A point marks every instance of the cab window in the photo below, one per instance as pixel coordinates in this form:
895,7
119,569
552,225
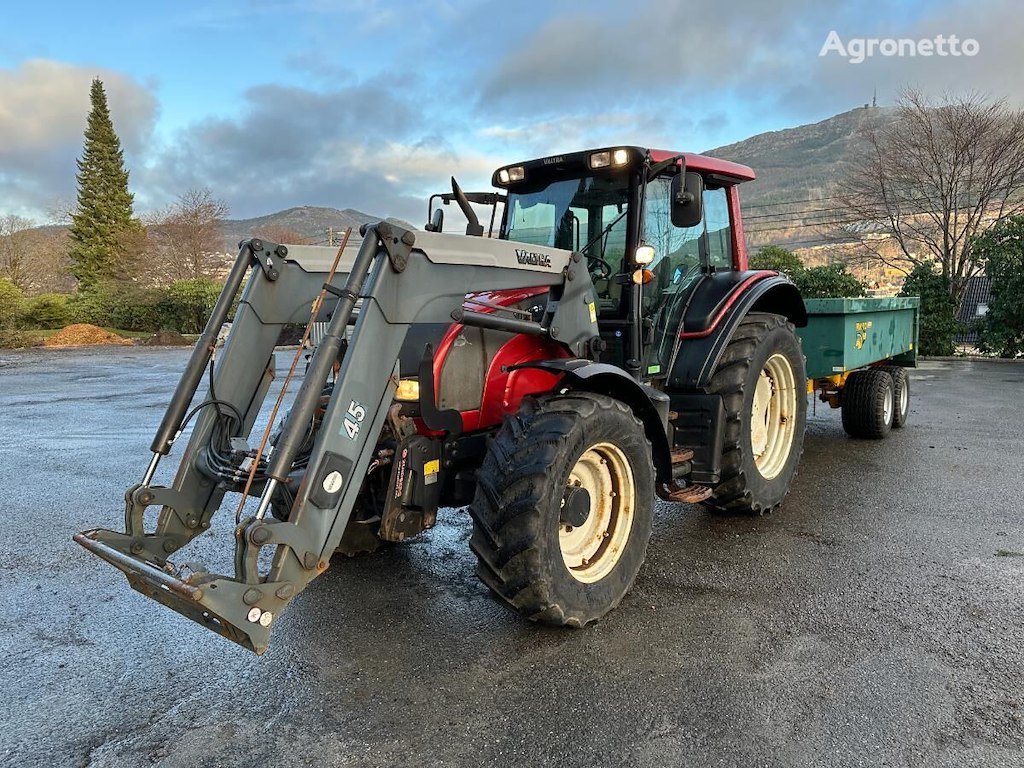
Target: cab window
716,215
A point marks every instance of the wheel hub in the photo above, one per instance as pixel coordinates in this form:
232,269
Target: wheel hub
602,479
575,506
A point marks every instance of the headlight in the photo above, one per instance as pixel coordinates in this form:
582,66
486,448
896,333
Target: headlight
644,254
515,173
609,157
408,391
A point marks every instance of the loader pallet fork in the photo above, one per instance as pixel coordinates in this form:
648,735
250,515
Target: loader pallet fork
402,279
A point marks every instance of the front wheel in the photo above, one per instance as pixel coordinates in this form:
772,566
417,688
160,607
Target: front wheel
763,383
563,508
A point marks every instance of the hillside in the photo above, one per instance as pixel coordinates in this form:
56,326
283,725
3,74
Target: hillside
801,163
309,223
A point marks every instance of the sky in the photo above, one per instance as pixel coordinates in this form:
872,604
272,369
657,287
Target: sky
372,105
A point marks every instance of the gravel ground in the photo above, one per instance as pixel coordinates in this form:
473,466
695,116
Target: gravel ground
876,620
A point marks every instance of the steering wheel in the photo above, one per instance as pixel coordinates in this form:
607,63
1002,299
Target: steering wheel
604,270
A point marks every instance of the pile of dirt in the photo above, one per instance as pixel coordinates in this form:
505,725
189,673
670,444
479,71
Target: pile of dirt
83,334
166,339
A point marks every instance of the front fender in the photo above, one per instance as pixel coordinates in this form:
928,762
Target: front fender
649,405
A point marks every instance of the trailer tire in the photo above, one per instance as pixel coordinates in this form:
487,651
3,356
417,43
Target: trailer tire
554,450
901,392
763,352
869,404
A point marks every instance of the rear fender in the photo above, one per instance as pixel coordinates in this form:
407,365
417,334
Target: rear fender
700,352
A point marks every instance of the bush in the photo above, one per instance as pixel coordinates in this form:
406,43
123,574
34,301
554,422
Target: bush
939,326
778,259
188,304
92,306
11,303
141,309
828,283
1001,331
46,311
11,338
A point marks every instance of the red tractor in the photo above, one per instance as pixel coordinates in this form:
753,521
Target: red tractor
607,347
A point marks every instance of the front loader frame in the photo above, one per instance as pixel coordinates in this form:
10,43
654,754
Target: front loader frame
402,278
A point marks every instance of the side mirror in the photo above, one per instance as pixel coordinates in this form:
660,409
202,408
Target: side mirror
436,221
687,199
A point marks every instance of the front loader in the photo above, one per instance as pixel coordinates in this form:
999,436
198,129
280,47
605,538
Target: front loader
607,347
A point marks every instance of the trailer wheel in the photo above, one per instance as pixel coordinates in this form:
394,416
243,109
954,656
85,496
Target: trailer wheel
563,508
869,403
901,389
761,377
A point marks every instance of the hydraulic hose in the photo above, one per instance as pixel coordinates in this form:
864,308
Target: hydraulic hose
201,354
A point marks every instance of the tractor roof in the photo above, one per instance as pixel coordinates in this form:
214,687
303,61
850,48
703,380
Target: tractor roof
708,164
558,165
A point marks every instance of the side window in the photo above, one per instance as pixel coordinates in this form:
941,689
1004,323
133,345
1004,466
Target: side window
716,215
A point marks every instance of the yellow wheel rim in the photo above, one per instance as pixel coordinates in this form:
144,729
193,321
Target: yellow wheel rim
773,416
592,550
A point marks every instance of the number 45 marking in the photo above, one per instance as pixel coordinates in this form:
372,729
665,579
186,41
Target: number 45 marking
354,417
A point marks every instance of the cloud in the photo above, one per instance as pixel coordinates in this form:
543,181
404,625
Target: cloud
43,110
685,61
595,59
359,146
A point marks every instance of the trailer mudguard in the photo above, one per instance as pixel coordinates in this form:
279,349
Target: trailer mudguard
715,312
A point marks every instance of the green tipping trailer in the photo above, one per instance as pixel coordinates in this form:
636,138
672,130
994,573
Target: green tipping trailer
857,351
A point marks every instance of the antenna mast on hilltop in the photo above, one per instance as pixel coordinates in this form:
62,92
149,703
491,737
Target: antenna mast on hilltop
874,98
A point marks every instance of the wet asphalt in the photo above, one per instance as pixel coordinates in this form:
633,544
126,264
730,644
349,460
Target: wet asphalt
876,620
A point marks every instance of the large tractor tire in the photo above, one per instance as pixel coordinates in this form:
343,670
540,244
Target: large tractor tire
763,383
901,391
869,403
563,508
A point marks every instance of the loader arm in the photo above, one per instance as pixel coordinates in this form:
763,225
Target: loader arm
402,279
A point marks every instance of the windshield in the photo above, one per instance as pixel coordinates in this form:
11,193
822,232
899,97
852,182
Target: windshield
572,213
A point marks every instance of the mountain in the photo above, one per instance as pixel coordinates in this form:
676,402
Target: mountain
309,223
802,163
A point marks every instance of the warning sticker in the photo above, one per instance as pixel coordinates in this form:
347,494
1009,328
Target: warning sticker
430,470
593,312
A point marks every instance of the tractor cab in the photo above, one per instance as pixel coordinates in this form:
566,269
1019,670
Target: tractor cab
652,224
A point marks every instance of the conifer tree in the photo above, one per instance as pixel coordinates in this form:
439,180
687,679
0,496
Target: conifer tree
104,231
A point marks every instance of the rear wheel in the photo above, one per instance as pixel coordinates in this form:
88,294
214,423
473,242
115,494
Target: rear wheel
761,378
901,392
869,403
563,508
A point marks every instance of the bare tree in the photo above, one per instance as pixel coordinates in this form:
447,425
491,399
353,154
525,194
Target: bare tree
15,236
189,234
279,233
932,176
